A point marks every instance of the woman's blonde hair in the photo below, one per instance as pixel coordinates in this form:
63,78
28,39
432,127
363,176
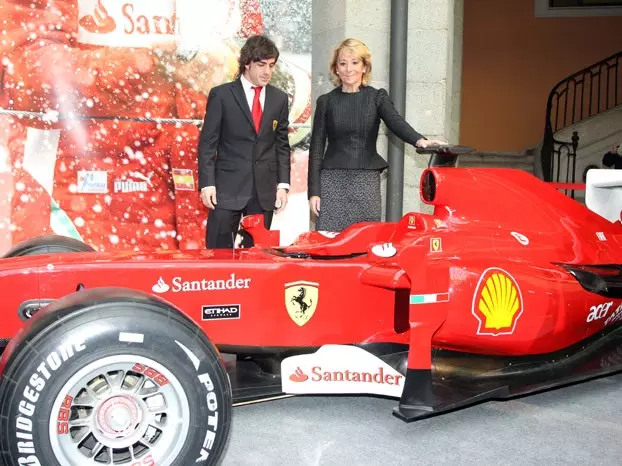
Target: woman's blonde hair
356,48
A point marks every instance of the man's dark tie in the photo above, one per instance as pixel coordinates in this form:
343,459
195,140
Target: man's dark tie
256,112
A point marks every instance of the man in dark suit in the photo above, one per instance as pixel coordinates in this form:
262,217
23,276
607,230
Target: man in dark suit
244,153
613,158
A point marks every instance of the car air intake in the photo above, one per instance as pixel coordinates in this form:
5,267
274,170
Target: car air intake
605,280
428,186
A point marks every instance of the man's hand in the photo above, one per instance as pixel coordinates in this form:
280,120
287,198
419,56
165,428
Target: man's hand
423,143
208,197
281,200
315,205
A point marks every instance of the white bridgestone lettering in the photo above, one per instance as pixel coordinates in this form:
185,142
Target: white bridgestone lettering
54,361
26,448
37,382
29,461
25,408
31,395
23,424
44,371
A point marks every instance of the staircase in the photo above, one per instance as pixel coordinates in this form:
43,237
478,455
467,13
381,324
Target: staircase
597,134
583,120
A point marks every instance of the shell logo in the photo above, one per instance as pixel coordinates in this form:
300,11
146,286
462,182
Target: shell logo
497,303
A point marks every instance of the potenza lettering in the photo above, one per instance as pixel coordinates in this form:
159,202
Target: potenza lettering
212,419
32,394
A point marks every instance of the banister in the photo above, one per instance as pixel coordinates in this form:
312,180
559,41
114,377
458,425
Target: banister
566,105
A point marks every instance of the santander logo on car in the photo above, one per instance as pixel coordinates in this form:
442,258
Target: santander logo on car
318,374
179,285
340,369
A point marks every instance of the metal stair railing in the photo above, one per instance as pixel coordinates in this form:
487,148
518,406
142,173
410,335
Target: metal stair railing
588,92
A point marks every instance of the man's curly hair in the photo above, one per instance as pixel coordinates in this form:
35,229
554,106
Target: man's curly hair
257,48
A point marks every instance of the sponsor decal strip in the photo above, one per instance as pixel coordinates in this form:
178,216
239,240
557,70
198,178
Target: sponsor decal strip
340,369
429,298
220,312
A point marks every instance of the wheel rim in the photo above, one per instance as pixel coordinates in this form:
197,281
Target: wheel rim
119,409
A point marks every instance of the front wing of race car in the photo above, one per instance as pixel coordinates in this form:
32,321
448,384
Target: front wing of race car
456,379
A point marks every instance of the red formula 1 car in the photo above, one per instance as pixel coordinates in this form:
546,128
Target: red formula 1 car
506,288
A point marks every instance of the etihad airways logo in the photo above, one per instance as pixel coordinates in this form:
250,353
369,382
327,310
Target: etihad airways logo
179,285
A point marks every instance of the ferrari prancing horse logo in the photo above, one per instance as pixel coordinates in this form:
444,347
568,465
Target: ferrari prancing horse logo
301,300
435,245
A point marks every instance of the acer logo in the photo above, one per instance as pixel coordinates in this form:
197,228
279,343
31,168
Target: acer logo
616,316
598,312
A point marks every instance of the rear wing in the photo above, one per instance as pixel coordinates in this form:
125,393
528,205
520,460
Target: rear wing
444,156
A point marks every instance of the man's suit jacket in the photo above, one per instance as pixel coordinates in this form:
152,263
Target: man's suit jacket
233,157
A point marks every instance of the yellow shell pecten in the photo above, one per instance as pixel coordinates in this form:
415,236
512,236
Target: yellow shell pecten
499,301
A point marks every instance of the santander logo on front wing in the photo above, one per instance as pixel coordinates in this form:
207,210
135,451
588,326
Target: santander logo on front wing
319,375
340,369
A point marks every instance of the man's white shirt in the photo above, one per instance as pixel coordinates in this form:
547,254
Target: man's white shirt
250,93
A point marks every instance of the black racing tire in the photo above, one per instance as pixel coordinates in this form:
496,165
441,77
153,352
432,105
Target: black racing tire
111,332
50,244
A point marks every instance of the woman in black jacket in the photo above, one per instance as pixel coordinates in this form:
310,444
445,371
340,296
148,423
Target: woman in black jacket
344,177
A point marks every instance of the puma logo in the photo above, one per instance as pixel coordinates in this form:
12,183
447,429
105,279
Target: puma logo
140,176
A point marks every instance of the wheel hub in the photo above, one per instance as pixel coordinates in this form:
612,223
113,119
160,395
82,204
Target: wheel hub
119,416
